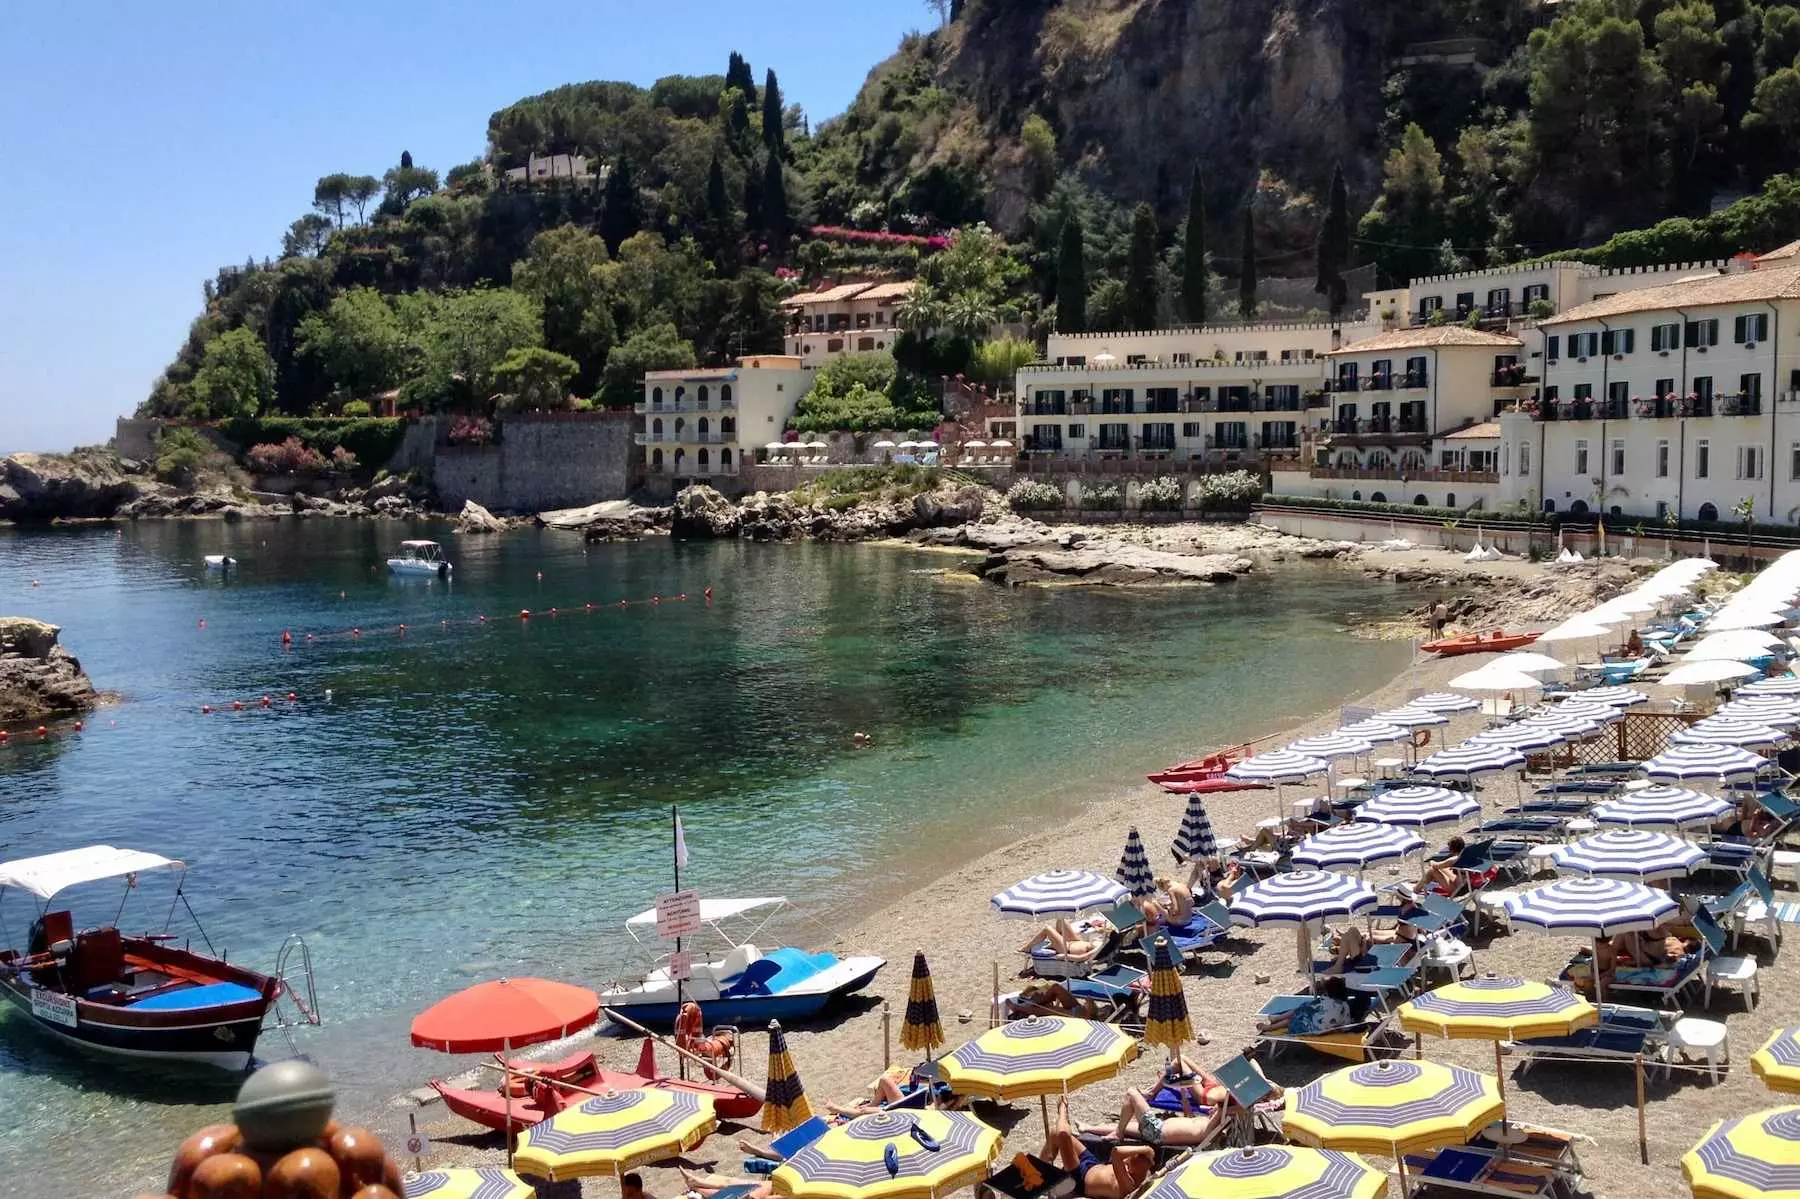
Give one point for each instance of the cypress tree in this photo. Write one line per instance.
(1140, 270)
(406, 160)
(737, 74)
(753, 197)
(1247, 268)
(774, 136)
(621, 211)
(1334, 246)
(718, 211)
(775, 206)
(1071, 279)
(1193, 256)
(737, 124)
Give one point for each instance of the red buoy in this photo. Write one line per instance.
(42, 731)
(292, 697)
(524, 613)
(265, 701)
(237, 705)
(206, 709)
(287, 638)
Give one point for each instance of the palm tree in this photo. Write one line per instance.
(921, 312)
(969, 315)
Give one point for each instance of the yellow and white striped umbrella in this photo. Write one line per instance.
(1750, 1157)
(899, 1154)
(1039, 1055)
(615, 1132)
(1273, 1172)
(487, 1182)
(1777, 1063)
(1393, 1107)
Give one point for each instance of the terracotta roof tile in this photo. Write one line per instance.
(1427, 336)
(1744, 287)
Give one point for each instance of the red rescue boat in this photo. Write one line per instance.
(1204, 774)
(1479, 643)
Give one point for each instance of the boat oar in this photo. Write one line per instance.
(743, 1084)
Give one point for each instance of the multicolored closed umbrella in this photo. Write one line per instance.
(1777, 1063)
(1273, 1172)
(1630, 855)
(1037, 1056)
(1497, 1009)
(900, 1154)
(486, 1182)
(1420, 807)
(1134, 872)
(614, 1133)
(1195, 840)
(1750, 1157)
(784, 1100)
(1393, 1108)
(1167, 1020)
(1662, 809)
(922, 1030)
(1060, 893)
(1356, 846)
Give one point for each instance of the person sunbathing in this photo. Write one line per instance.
(1046, 997)
(1441, 873)
(1404, 931)
(706, 1185)
(1327, 1011)
(1062, 937)
(1229, 882)
(1352, 944)
(1124, 1170)
(1178, 905)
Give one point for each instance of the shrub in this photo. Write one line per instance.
(180, 453)
(1541, 309)
(1160, 495)
(343, 460)
(290, 457)
(1029, 496)
(355, 408)
(373, 439)
(1233, 491)
(1103, 497)
(471, 430)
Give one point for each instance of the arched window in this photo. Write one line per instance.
(1412, 460)
(1378, 460)
(680, 426)
(728, 427)
(1419, 501)
(1346, 459)
(679, 392)
(1379, 498)
(1450, 500)
(725, 393)
(656, 397)
(680, 460)
(656, 459)
(1708, 512)
(725, 458)
(1549, 505)
(1355, 495)
(700, 458)
(703, 395)
(700, 428)
(1578, 508)
(656, 428)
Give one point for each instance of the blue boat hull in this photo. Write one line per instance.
(745, 1010)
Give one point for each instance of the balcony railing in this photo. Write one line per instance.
(685, 437)
(1413, 475)
(1662, 407)
(1375, 425)
(684, 405)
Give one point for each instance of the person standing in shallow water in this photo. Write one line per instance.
(1440, 616)
(860, 740)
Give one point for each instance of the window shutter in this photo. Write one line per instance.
(1739, 333)
(1606, 342)
(1552, 348)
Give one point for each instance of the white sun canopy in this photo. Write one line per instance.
(714, 910)
(50, 873)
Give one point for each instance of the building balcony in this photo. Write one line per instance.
(1512, 376)
(1375, 426)
(1393, 474)
(683, 407)
(685, 437)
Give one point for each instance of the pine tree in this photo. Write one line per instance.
(1247, 268)
(621, 212)
(774, 136)
(1193, 255)
(737, 74)
(1334, 246)
(1140, 270)
(775, 206)
(1071, 279)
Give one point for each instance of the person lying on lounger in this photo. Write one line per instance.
(1047, 997)
(1352, 944)
(1124, 1170)
(1062, 937)
(1403, 930)
(1328, 1011)
(706, 1185)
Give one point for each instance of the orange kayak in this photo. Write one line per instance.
(1479, 643)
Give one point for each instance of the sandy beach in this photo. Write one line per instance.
(949, 917)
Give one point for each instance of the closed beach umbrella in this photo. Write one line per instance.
(1470, 761)
(1411, 717)
(1694, 674)
(1787, 685)
(1748, 1157)
(485, 1182)
(1166, 1023)
(922, 1030)
(1301, 899)
(1662, 809)
(1134, 871)
(615, 1133)
(1729, 730)
(1419, 807)
(902, 1154)
(1777, 1063)
(1631, 855)
(1595, 908)
(508, 1013)
(1194, 840)
(1393, 1108)
(1443, 701)
(1616, 696)
(1273, 1172)
(784, 1099)
(1682, 762)
(1037, 1056)
(1356, 846)
(1497, 1009)
(1060, 893)
(1330, 746)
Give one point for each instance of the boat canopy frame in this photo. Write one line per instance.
(46, 876)
(720, 917)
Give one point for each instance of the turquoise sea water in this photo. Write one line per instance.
(470, 800)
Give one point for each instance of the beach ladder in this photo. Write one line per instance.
(294, 983)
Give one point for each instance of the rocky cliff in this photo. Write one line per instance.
(39, 679)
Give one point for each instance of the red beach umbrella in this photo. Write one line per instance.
(506, 1014)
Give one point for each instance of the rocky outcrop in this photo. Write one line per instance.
(476, 519)
(161, 501)
(936, 509)
(612, 520)
(39, 679)
(1111, 566)
(700, 512)
(83, 485)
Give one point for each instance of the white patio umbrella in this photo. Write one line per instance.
(1331, 746)
(909, 445)
(1615, 696)
(1725, 620)
(1527, 662)
(818, 445)
(1001, 444)
(1408, 716)
(1302, 900)
(974, 445)
(1630, 855)
(1730, 730)
(1663, 809)
(1419, 807)
(775, 447)
(1733, 644)
(1356, 846)
(1576, 709)
(1376, 731)
(1574, 629)
(1494, 677)
(928, 445)
(1690, 674)
(1680, 763)
(1593, 908)
(1279, 767)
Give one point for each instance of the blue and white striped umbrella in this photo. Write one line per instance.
(1616, 696)
(1786, 685)
(1730, 730)
(1356, 846)
(1470, 761)
(1195, 839)
(1419, 807)
(1443, 701)
(1631, 855)
(1591, 907)
(1663, 809)
(1574, 727)
(1060, 893)
(1376, 731)
(1682, 762)
(1776, 711)
(1278, 766)
(1526, 738)
(1575, 709)
(1134, 867)
(1408, 716)
(1330, 746)
(1301, 899)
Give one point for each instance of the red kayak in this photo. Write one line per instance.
(490, 1108)
(1479, 643)
(1205, 786)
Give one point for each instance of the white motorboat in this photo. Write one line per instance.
(220, 562)
(423, 559)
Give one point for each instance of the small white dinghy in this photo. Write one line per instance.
(220, 562)
(420, 559)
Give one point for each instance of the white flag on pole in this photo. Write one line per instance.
(681, 856)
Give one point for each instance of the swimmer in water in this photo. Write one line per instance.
(860, 739)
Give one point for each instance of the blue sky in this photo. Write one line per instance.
(147, 144)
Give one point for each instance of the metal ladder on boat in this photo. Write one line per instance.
(294, 983)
